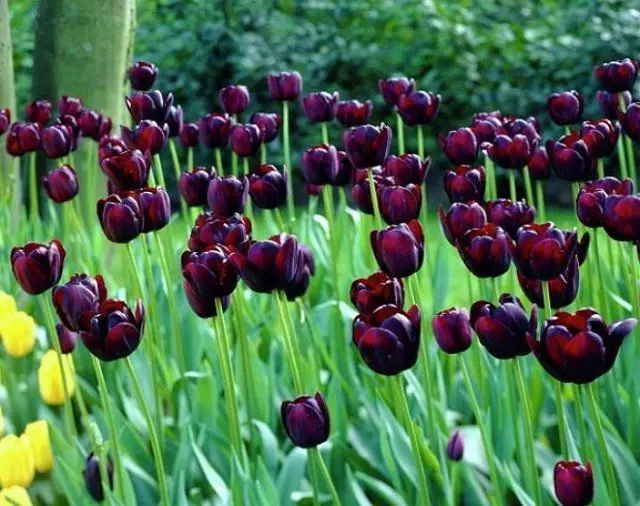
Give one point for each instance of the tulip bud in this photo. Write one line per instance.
(305, 268)
(50, 380)
(18, 334)
(306, 420)
(321, 106)
(452, 330)
(94, 125)
(269, 123)
(460, 219)
(15, 496)
(5, 120)
(78, 300)
(215, 130)
(320, 164)
(155, 207)
(511, 153)
(455, 447)
(571, 158)
(368, 294)
(508, 215)
(610, 103)
(573, 483)
(38, 435)
(399, 204)
(407, 169)
(352, 113)
(175, 120)
(56, 141)
(630, 121)
(601, 137)
(228, 195)
(93, 479)
(17, 467)
(234, 99)
(563, 289)
(486, 126)
(465, 183)
(539, 165)
(485, 251)
(211, 230)
(38, 111)
(345, 170)
(246, 139)
(399, 249)
(193, 185)
(71, 106)
(67, 339)
(142, 75)
(129, 170)
(189, 135)
(72, 127)
(393, 88)
(367, 146)
(23, 138)
(418, 108)
(120, 217)
(593, 196)
(285, 86)
(565, 108)
(617, 76)
(7, 305)
(268, 187)
(110, 145)
(61, 184)
(146, 136)
(622, 217)
(37, 267)
(460, 146)
(149, 105)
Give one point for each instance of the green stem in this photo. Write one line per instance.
(603, 288)
(575, 189)
(325, 133)
(527, 185)
(540, 201)
(33, 188)
(288, 343)
(279, 221)
(189, 158)
(263, 153)
(102, 465)
(600, 168)
(176, 171)
(512, 185)
(287, 160)
(374, 198)
(420, 142)
(492, 189)
(631, 159)
(624, 173)
(319, 462)
(400, 128)
(219, 166)
(157, 162)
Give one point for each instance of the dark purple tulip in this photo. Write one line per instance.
(38, 267)
(504, 329)
(529, 127)
(393, 88)
(399, 204)
(61, 184)
(565, 108)
(460, 146)
(208, 275)
(94, 125)
(70, 105)
(78, 300)
(399, 249)
(601, 136)
(511, 153)
(142, 75)
(407, 169)
(234, 99)
(268, 265)
(360, 190)
(346, 171)
(630, 121)
(418, 108)
(147, 135)
(579, 347)
(5, 120)
(92, 478)
(320, 164)
(388, 339)
(593, 195)
(305, 269)
(268, 187)
(193, 185)
(175, 120)
(120, 217)
(486, 125)
(368, 294)
(268, 122)
(485, 251)
(306, 420)
(313, 190)
(215, 130)
(617, 76)
(563, 289)
(116, 330)
(128, 170)
(149, 105)
(455, 447)
(189, 135)
(67, 339)
(246, 139)
(460, 219)
(320, 106)
(573, 483)
(510, 215)
(211, 229)
(23, 138)
(71, 123)
(465, 183)
(38, 111)
(539, 165)
(228, 195)
(452, 330)
(367, 145)
(352, 113)
(155, 207)
(56, 141)
(285, 86)
(571, 158)
(622, 217)
(610, 103)
(110, 145)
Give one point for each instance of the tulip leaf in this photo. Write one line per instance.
(291, 474)
(381, 490)
(213, 478)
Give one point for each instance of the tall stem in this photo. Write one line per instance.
(263, 153)
(157, 163)
(600, 168)
(33, 188)
(603, 288)
(624, 173)
(540, 201)
(325, 133)
(288, 343)
(492, 188)
(176, 172)
(219, 166)
(314, 453)
(287, 160)
(512, 185)
(400, 128)
(189, 158)
(631, 159)
(374, 198)
(527, 185)
(420, 136)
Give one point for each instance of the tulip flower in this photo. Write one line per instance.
(129, 170)
(593, 195)
(407, 169)
(360, 190)
(452, 330)
(38, 111)
(215, 130)
(73, 128)
(630, 121)
(116, 330)
(56, 141)
(61, 184)
(38, 435)
(78, 300)
(565, 108)
(228, 195)
(610, 102)
(18, 334)
(193, 185)
(71, 106)
(399, 204)
(617, 76)
(155, 207)
(37, 267)
(149, 105)
(579, 347)
(539, 165)
(23, 138)
(17, 467)
(622, 217)
(510, 215)
(5, 120)
(313, 190)
(367, 146)
(211, 229)
(460, 146)
(460, 219)
(92, 477)
(399, 249)
(190, 135)
(455, 447)
(352, 113)
(563, 290)
(305, 269)
(573, 483)
(110, 145)
(268, 265)
(571, 158)
(234, 99)
(269, 123)
(94, 124)
(67, 339)
(320, 164)
(246, 139)
(306, 420)
(320, 106)
(418, 107)
(285, 86)
(345, 170)
(142, 75)
(485, 251)
(368, 294)
(120, 217)
(601, 136)
(268, 187)
(393, 88)
(7, 304)
(486, 126)
(175, 120)
(511, 152)
(465, 183)
(15, 496)
(146, 136)
(50, 378)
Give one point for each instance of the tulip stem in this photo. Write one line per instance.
(513, 195)
(287, 160)
(600, 168)
(288, 342)
(314, 453)
(189, 158)
(374, 198)
(631, 159)
(176, 170)
(492, 189)
(527, 185)
(219, 167)
(279, 221)
(400, 128)
(540, 201)
(157, 162)
(420, 136)
(33, 188)
(624, 173)
(263, 153)
(603, 288)
(325, 133)
(153, 436)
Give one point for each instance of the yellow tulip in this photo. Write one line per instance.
(7, 304)
(50, 378)
(14, 496)
(16, 461)
(38, 435)
(18, 331)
